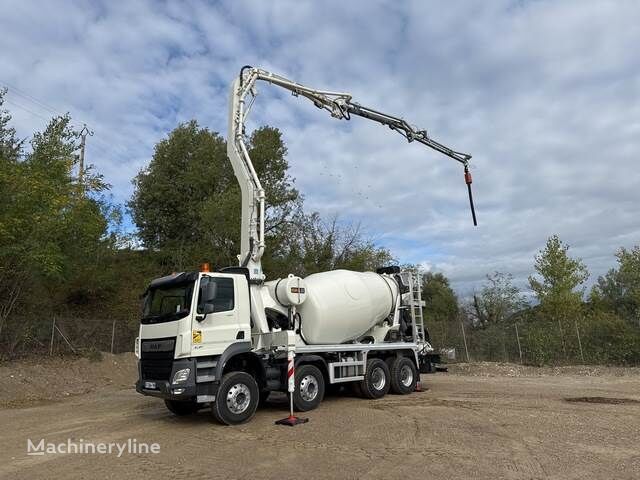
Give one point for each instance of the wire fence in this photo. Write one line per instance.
(579, 340)
(82, 335)
(569, 341)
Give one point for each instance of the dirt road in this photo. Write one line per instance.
(464, 426)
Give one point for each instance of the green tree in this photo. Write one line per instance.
(10, 146)
(560, 277)
(619, 289)
(49, 232)
(313, 245)
(498, 300)
(441, 309)
(441, 303)
(186, 203)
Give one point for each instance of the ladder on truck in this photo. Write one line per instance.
(416, 304)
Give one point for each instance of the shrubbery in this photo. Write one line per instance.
(561, 328)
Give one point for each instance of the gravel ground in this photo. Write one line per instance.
(479, 421)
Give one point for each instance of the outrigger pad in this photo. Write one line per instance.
(291, 421)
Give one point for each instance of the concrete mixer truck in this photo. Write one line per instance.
(224, 339)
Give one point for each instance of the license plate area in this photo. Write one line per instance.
(150, 385)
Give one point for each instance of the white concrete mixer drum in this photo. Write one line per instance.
(342, 305)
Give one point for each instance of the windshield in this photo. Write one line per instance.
(168, 303)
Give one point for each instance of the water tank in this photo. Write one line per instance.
(287, 291)
(342, 305)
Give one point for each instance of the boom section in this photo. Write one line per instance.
(340, 106)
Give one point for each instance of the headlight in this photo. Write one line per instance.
(136, 348)
(181, 376)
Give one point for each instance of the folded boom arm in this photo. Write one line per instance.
(340, 106)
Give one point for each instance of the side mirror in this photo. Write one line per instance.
(208, 308)
(204, 310)
(210, 290)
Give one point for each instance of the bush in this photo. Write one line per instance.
(606, 338)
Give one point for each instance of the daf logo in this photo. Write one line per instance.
(157, 346)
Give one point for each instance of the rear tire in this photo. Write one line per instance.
(237, 399)
(404, 376)
(376, 381)
(309, 390)
(182, 407)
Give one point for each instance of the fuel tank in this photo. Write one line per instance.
(342, 305)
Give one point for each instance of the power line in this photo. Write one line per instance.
(35, 101)
(31, 98)
(26, 109)
(106, 146)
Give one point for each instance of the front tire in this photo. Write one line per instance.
(404, 376)
(237, 399)
(309, 390)
(181, 407)
(376, 381)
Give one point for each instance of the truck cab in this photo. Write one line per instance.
(191, 323)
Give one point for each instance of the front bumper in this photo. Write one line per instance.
(188, 390)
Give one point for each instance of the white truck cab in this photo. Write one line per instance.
(187, 317)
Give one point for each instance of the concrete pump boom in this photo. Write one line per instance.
(340, 106)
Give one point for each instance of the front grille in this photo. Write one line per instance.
(156, 365)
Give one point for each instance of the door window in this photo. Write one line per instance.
(216, 291)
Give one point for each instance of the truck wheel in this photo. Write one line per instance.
(237, 398)
(309, 388)
(404, 376)
(376, 379)
(181, 407)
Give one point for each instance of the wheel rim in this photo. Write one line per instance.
(406, 375)
(378, 378)
(238, 398)
(309, 388)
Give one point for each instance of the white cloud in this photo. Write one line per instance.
(543, 94)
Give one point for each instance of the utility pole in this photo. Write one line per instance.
(464, 338)
(113, 334)
(83, 140)
(579, 341)
(519, 347)
(53, 332)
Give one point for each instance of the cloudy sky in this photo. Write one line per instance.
(544, 94)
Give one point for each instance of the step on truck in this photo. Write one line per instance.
(221, 339)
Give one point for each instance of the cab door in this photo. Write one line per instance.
(216, 324)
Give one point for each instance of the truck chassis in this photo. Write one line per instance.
(243, 379)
